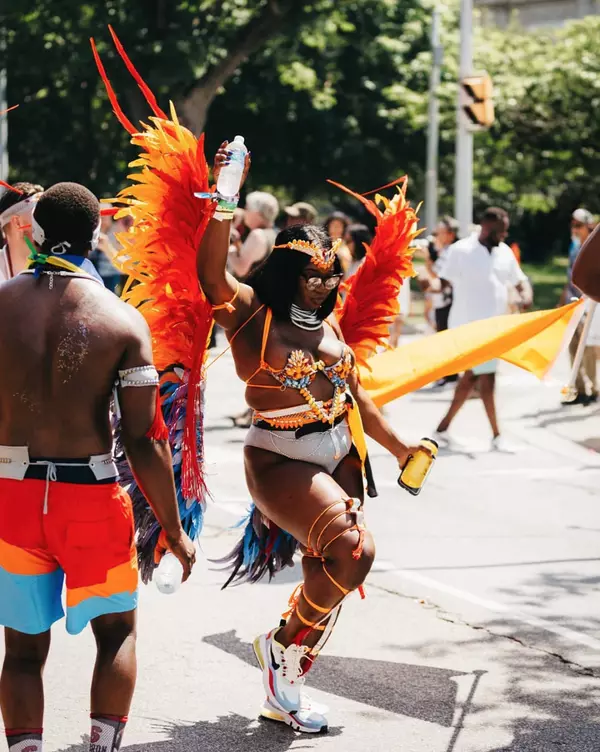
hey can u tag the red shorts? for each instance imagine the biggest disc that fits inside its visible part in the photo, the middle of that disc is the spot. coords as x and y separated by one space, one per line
86 536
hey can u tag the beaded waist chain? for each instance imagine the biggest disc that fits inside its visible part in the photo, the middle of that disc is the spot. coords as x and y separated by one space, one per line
291 418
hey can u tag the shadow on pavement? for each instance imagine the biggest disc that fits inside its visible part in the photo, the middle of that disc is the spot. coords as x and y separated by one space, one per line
422 692
547 705
229 733
547 736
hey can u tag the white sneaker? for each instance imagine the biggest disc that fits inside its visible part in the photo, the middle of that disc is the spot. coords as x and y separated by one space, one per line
307 719
283 679
499 444
441 439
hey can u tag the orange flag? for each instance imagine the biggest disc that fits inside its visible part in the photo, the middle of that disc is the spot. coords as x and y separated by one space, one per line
530 340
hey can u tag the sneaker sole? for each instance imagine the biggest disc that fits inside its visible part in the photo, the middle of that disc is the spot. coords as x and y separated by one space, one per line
272 714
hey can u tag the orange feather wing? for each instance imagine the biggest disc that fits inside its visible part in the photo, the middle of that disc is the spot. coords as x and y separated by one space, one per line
369 301
159 256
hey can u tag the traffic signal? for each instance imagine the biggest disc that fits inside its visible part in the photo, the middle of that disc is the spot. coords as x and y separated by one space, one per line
478 104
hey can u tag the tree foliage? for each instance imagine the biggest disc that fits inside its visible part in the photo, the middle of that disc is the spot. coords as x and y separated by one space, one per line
326 88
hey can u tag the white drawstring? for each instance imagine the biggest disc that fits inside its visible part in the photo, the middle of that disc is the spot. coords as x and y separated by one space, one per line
50 476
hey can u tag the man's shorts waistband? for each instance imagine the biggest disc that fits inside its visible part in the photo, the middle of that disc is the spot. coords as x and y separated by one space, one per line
16 464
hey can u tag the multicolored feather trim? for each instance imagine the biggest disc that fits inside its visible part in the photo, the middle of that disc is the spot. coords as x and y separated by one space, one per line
369 300
263 549
159 257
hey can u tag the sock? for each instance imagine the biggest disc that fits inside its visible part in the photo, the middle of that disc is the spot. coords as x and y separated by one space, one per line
107 732
24 740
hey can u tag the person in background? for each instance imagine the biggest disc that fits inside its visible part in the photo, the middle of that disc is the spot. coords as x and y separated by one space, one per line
480 269
16 210
238 223
259 217
103 254
355 238
336 225
300 213
445 235
582 223
245 256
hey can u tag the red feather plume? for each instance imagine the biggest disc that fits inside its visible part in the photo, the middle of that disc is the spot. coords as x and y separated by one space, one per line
369 300
159 254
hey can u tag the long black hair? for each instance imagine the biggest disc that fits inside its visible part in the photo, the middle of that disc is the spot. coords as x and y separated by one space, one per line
276 280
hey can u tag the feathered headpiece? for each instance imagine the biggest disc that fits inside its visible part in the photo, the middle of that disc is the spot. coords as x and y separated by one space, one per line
321 258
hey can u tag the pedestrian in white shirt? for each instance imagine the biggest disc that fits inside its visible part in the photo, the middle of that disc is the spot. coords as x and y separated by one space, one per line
481 269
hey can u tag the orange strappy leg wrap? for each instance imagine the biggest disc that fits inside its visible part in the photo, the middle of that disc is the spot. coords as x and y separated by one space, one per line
317 551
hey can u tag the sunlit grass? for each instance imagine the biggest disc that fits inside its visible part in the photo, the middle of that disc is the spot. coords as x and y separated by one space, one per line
548 281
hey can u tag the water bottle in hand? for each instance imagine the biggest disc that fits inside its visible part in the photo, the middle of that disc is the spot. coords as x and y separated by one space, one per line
168 574
230 177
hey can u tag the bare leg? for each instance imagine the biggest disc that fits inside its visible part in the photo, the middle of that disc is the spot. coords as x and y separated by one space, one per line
461 395
487 386
580 384
116 667
396 331
21 684
295 495
589 366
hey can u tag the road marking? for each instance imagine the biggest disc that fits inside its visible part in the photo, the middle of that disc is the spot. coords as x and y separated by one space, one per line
501 608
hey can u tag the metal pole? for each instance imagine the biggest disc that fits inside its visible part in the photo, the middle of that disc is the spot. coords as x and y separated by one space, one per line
463 186
431 186
3 106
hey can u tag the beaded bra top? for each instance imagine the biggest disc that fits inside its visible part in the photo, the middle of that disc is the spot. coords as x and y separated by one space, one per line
299 373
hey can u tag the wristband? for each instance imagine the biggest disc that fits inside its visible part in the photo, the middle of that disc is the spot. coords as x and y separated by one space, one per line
223 202
222 216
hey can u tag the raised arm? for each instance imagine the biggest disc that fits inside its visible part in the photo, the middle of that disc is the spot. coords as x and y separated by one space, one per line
586 270
233 301
150 460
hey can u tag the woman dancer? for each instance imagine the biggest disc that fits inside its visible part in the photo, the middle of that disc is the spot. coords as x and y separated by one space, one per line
305 451
302 468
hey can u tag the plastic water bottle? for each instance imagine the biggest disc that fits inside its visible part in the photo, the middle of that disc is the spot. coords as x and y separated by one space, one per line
168 574
230 177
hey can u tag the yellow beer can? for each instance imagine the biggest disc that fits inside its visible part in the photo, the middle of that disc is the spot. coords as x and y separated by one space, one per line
417 469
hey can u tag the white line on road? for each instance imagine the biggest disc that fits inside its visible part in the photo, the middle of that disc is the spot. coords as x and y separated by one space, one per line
501 608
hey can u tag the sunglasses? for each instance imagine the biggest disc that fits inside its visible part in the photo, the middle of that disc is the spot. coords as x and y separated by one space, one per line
329 283
577 225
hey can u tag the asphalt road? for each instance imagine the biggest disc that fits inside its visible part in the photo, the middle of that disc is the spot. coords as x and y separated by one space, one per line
480 632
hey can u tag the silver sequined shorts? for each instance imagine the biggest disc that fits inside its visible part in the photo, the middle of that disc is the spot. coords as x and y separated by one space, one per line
326 449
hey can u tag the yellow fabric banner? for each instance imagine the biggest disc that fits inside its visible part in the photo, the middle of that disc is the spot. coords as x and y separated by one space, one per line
529 340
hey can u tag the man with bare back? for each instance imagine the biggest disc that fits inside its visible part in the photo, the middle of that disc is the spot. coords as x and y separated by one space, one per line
65 342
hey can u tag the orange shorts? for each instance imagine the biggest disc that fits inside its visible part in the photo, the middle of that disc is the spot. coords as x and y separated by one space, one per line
86 536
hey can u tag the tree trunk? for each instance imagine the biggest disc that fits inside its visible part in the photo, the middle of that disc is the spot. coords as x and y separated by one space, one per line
195 106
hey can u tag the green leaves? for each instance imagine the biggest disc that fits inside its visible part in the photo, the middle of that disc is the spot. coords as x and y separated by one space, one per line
330 88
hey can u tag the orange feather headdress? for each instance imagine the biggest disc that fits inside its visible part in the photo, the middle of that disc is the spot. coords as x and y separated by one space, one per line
369 301
159 256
